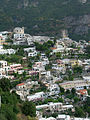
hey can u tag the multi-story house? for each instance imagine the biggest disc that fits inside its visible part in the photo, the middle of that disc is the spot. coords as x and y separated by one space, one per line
4 69
54 107
77 84
37 96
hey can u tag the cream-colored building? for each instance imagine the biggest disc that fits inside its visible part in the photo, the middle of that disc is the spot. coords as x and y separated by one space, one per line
77 84
19 30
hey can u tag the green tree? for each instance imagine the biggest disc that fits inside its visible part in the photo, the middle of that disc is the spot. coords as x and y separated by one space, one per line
24 74
8 98
79 112
30 64
73 91
20 52
77 69
7 110
29 109
1 91
54 115
48 53
2 117
58 55
48 67
67 91
88 101
88 49
5 84
62 90
87 106
71 78
60 100
76 99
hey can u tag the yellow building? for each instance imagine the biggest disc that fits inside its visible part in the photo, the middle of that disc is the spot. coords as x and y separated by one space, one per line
75 62
3 42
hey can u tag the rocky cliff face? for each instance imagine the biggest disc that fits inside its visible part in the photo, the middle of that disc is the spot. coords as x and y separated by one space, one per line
80 25
83 1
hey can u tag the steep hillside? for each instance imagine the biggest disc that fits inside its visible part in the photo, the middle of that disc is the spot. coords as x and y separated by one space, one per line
47 17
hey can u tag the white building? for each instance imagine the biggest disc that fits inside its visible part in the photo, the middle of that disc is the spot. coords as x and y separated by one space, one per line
3 63
29 40
32 54
62 49
44 73
43 55
11 51
86 78
38 66
19 36
7 51
66 61
63 117
87 61
41 38
87 67
36 96
50 118
54 89
45 61
54 107
4 35
30 49
2 73
4 69
81 118
60 68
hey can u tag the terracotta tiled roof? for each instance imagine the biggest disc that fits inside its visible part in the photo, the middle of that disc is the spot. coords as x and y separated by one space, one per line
82 92
53 48
20 84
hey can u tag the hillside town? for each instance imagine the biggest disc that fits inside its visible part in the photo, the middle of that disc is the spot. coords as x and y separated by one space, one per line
53 73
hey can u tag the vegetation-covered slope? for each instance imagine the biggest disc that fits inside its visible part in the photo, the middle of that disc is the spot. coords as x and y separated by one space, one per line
46 17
